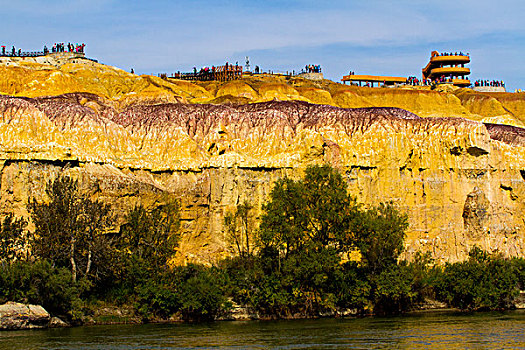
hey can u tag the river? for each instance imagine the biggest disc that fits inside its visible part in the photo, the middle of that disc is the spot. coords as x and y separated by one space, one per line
505 330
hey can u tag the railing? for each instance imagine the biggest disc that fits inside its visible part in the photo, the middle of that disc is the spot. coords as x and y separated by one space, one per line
220 73
22 54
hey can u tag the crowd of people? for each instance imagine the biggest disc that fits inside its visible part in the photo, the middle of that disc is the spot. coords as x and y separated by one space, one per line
493 83
62 47
412 80
13 52
312 68
223 73
453 54
57 47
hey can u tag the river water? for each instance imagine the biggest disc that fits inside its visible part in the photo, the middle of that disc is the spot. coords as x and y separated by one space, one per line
426 330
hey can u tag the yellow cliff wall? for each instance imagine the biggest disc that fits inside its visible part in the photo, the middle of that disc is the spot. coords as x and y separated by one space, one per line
460 184
135 138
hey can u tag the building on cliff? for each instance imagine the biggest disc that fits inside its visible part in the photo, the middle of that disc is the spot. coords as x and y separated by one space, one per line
443 68
448 68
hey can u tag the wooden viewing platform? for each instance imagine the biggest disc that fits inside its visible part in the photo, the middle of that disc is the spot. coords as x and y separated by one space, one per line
22 54
220 73
379 79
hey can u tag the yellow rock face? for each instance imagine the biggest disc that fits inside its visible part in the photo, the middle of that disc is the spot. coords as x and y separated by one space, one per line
129 138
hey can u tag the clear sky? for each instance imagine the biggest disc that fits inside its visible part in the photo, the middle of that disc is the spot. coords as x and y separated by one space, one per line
390 37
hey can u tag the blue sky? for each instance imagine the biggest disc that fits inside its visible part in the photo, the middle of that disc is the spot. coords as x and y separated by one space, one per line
368 37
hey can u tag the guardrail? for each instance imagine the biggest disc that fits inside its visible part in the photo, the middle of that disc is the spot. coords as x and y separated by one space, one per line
220 73
22 54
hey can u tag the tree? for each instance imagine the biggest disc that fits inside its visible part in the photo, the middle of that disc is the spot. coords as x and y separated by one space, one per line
305 227
380 235
314 211
150 237
240 228
70 229
12 242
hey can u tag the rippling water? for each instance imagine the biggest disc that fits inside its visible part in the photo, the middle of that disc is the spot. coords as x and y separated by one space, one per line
429 330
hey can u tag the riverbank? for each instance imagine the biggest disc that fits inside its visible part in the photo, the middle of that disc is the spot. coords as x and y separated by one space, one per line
486 330
17 316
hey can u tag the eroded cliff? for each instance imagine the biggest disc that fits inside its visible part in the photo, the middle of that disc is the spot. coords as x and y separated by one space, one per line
460 181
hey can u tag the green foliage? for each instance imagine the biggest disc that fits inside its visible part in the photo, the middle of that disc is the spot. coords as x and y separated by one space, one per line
12 240
519 266
380 234
194 291
150 238
157 297
393 289
305 227
240 227
43 284
314 212
71 229
481 282
201 292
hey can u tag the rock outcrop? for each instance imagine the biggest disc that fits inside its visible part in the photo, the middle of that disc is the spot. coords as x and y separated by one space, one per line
21 316
460 181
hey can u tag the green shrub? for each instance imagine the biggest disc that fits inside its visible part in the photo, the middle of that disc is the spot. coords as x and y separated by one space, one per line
481 282
201 292
42 284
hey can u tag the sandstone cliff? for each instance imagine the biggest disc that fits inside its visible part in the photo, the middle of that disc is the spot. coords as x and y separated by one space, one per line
138 138
460 181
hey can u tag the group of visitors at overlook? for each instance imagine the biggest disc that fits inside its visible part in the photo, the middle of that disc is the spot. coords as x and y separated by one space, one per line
493 83
221 73
453 54
61 47
312 68
57 47
13 52
416 82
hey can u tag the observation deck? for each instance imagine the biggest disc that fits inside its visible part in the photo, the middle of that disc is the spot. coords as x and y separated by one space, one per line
447 68
373 79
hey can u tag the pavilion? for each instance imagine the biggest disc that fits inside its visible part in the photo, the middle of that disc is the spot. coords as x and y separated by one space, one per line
448 68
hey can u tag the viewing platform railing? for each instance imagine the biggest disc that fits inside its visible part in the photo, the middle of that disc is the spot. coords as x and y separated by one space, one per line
220 73
38 53
22 54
